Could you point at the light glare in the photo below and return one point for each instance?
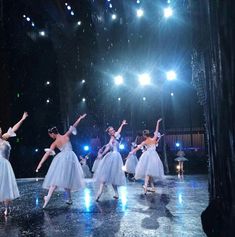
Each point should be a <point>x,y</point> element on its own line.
<point>171,75</point>
<point>139,13</point>
<point>118,80</point>
<point>144,79</point>
<point>168,12</point>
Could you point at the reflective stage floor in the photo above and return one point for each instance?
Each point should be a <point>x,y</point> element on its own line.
<point>174,210</point>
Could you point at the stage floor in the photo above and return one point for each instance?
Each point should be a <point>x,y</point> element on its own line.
<point>174,211</point>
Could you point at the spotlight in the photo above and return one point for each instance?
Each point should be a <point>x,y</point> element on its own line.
<point>110,5</point>
<point>86,148</point>
<point>177,144</point>
<point>66,4</point>
<point>36,150</point>
<point>172,94</point>
<point>24,16</point>
<point>83,99</point>
<point>144,79</point>
<point>69,8</point>
<point>144,98</point>
<point>83,81</point>
<point>48,101</point>
<point>79,23</point>
<point>119,99</point>
<point>42,33</point>
<point>48,83</point>
<point>27,19</point>
<point>72,13</point>
<point>168,12</point>
<point>138,1</point>
<point>32,24</point>
<point>118,80</point>
<point>114,16</point>
<point>139,12</point>
<point>121,146</point>
<point>171,75</point>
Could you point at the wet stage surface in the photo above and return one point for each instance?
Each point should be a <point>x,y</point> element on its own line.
<point>174,210</point>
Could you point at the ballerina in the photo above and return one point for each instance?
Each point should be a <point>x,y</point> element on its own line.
<point>110,170</point>
<point>97,160</point>
<point>8,186</point>
<point>65,172</point>
<point>149,166</point>
<point>131,162</point>
<point>85,167</point>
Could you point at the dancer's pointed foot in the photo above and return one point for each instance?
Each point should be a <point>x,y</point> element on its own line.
<point>116,197</point>
<point>97,198</point>
<point>145,189</point>
<point>69,202</point>
<point>7,211</point>
<point>152,189</point>
<point>46,200</point>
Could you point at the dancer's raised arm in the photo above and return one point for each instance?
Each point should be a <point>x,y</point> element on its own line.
<point>15,127</point>
<point>71,129</point>
<point>46,155</point>
<point>120,128</point>
<point>157,128</point>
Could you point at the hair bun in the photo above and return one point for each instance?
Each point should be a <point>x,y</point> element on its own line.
<point>53,130</point>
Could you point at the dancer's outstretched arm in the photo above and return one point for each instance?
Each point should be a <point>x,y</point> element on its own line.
<point>69,132</point>
<point>107,146</point>
<point>46,155</point>
<point>137,148</point>
<point>120,128</point>
<point>16,126</point>
<point>157,128</point>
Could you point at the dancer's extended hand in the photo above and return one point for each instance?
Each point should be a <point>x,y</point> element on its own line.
<point>83,116</point>
<point>124,122</point>
<point>25,115</point>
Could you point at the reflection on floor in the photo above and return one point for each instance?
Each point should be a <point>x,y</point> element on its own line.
<point>174,210</point>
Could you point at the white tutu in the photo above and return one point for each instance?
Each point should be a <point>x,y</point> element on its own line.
<point>110,170</point>
<point>8,185</point>
<point>95,165</point>
<point>131,164</point>
<point>86,171</point>
<point>181,158</point>
<point>65,171</point>
<point>149,164</point>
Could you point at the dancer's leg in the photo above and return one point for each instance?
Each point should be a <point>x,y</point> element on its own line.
<point>48,197</point>
<point>100,191</point>
<point>146,183</point>
<point>69,199</point>
<point>116,191</point>
<point>7,208</point>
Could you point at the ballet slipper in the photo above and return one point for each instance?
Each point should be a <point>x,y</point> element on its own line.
<point>69,202</point>
<point>7,211</point>
<point>46,200</point>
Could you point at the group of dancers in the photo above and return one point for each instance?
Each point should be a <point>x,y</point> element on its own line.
<point>65,172</point>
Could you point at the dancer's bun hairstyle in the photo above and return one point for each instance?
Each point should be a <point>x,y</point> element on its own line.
<point>53,130</point>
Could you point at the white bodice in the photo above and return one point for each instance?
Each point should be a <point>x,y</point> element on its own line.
<point>5,149</point>
<point>114,145</point>
<point>151,147</point>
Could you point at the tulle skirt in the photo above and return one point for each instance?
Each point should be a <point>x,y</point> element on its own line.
<point>131,164</point>
<point>181,158</point>
<point>86,171</point>
<point>65,172</point>
<point>149,164</point>
<point>8,185</point>
<point>110,170</point>
<point>95,165</point>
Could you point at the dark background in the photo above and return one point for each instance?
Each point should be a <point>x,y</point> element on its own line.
<point>95,51</point>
